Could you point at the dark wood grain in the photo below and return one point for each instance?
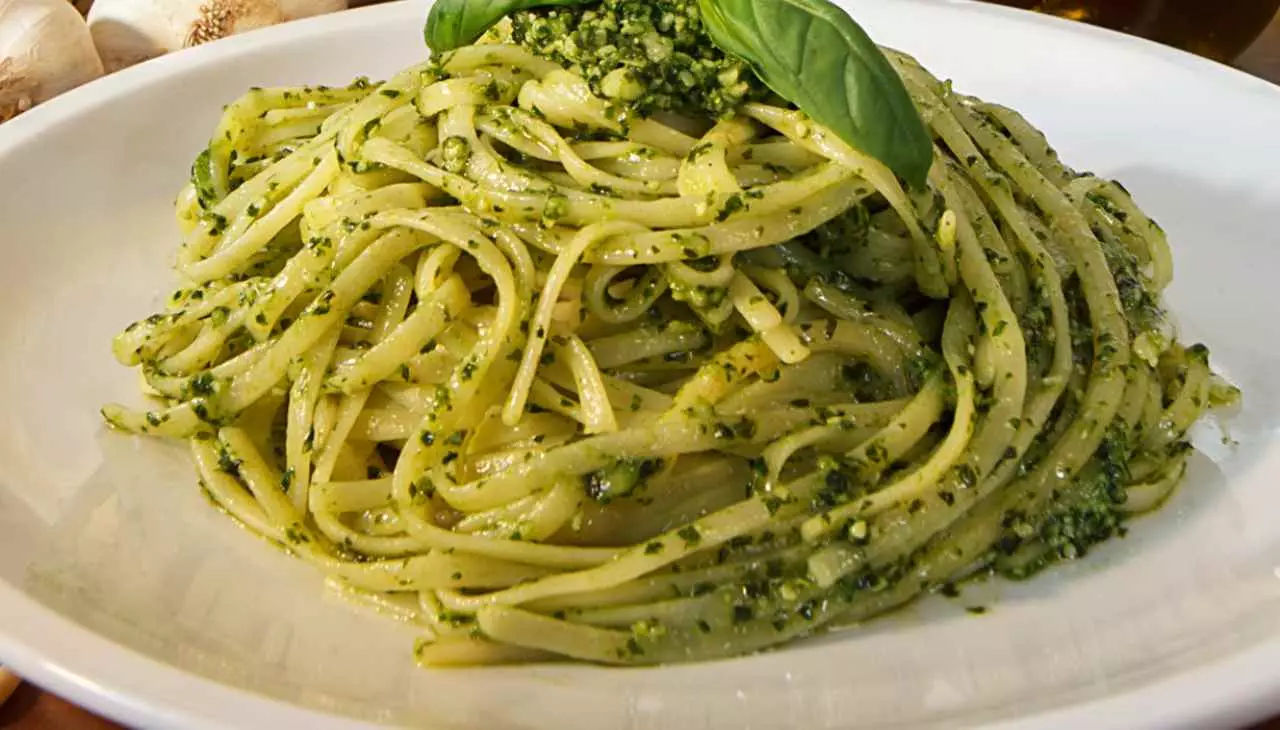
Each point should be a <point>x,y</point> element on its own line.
<point>29,708</point>
<point>32,709</point>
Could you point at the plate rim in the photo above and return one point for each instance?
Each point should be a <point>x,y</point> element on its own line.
<point>126,685</point>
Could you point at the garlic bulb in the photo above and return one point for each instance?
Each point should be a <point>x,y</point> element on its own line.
<point>45,49</point>
<point>130,31</point>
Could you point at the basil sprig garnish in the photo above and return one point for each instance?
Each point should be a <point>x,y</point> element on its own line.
<point>809,52</point>
<point>455,23</point>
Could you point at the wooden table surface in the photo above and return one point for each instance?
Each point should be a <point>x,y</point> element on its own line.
<point>1263,58</point>
<point>29,708</point>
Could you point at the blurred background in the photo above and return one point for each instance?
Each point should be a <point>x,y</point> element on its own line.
<point>1219,30</point>
<point>48,47</point>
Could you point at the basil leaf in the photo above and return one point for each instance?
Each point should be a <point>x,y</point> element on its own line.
<point>204,180</point>
<point>813,54</point>
<point>455,23</point>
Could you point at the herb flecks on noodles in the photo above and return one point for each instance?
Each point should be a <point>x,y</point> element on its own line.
<point>507,355</point>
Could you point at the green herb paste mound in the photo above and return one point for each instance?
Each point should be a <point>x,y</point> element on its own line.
<point>656,56</point>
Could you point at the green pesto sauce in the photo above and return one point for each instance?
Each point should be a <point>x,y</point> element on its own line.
<point>654,55</point>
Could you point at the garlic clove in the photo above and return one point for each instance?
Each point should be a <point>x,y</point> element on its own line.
<point>45,49</point>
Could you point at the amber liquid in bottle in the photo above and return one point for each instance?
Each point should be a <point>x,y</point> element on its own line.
<point>1219,29</point>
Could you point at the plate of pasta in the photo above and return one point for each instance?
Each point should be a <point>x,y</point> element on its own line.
<point>688,364</point>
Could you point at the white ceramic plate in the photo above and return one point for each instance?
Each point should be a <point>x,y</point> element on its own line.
<point>122,589</point>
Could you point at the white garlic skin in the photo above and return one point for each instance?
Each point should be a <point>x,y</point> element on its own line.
<point>131,31</point>
<point>45,49</point>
